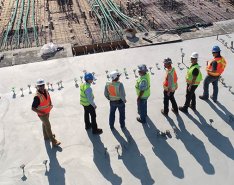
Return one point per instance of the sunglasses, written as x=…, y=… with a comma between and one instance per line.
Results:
x=41, y=85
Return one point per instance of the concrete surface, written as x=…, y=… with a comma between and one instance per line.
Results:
x=197, y=154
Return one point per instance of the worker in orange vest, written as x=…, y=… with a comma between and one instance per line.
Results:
x=169, y=85
x=115, y=93
x=42, y=106
x=214, y=69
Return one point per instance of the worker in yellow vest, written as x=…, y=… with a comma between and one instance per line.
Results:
x=143, y=92
x=214, y=69
x=87, y=100
x=115, y=93
x=193, y=79
x=42, y=105
x=169, y=85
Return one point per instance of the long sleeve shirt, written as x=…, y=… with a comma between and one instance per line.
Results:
x=89, y=95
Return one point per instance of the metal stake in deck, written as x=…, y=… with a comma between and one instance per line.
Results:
x=29, y=87
x=22, y=93
x=76, y=84
x=134, y=71
x=13, y=90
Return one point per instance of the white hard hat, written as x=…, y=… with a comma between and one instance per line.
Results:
x=194, y=55
x=40, y=82
x=114, y=75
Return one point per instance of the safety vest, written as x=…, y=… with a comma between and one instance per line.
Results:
x=45, y=104
x=174, y=86
x=113, y=90
x=146, y=93
x=221, y=64
x=189, y=75
x=83, y=98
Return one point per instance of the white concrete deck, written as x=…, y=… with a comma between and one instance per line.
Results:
x=199, y=154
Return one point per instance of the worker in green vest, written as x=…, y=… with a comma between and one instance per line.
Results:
x=143, y=92
x=87, y=100
x=193, y=79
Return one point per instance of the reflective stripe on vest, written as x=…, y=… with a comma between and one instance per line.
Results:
x=221, y=64
x=83, y=99
x=146, y=93
x=189, y=76
x=45, y=104
x=113, y=90
x=174, y=86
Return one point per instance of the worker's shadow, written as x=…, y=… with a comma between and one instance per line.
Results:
x=214, y=136
x=163, y=150
x=101, y=159
x=132, y=158
x=199, y=152
x=56, y=174
x=225, y=114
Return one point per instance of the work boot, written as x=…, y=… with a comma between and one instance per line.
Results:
x=192, y=107
x=183, y=109
x=139, y=120
x=47, y=138
x=203, y=98
x=87, y=127
x=212, y=97
x=164, y=113
x=56, y=143
x=175, y=111
x=98, y=131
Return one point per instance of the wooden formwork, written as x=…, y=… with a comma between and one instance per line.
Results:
x=73, y=21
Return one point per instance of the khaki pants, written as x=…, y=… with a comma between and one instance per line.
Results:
x=47, y=128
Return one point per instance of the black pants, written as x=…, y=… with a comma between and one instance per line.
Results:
x=190, y=96
x=166, y=101
x=89, y=110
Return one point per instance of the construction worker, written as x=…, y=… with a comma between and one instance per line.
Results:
x=143, y=92
x=193, y=79
x=169, y=86
x=42, y=105
x=87, y=100
x=214, y=69
x=115, y=93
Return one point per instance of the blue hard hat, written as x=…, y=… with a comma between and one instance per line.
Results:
x=216, y=49
x=142, y=68
x=88, y=76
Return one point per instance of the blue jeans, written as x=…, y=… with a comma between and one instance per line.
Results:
x=121, y=107
x=214, y=80
x=142, y=109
